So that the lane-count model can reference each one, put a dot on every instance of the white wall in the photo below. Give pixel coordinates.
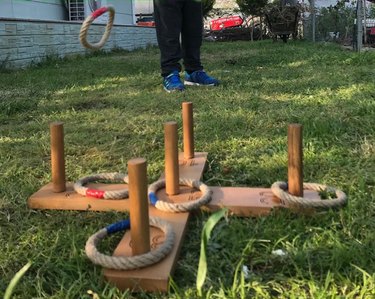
(33, 9)
(26, 42)
(124, 11)
(144, 6)
(55, 10)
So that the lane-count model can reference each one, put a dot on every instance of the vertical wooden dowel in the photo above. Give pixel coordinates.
(139, 218)
(295, 160)
(172, 175)
(188, 129)
(57, 156)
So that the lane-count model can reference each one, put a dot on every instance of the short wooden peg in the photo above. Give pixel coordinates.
(188, 129)
(295, 160)
(57, 157)
(139, 218)
(171, 158)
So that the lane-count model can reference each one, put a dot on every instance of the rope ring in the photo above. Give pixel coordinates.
(133, 262)
(101, 194)
(279, 190)
(88, 21)
(179, 207)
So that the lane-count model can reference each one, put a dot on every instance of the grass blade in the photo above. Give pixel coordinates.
(14, 281)
(205, 237)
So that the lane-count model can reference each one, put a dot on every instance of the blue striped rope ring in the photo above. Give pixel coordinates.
(179, 207)
(132, 262)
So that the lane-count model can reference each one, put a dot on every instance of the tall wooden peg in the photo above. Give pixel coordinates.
(139, 218)
(295, 160)
(57, 157)
(188, 129)
(172, 175)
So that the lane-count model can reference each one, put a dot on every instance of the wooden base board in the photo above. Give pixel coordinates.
(156, 277)
(46, 199)
(191, 168)
(241, 201)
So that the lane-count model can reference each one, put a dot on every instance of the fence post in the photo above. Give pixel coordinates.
(359, 25)
(313, 21)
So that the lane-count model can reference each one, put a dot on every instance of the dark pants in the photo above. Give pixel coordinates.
(172, 19)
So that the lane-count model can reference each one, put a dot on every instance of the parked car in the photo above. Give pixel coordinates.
(233, 27)
(145, 20)
(226, 22)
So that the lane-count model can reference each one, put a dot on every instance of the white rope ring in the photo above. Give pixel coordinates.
(279, 190)
(133, 262)
(179, 207)
(88, 21)
(101, 194)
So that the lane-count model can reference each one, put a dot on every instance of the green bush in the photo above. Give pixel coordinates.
(252, 7)
(207, 6)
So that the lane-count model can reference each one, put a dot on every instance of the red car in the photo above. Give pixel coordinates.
(147, 21)
(226, 22)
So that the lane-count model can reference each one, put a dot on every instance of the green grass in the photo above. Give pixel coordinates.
(114, 108)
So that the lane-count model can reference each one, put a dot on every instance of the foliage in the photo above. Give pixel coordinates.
(207, 6)
(252, 7)
(335, 18)
(371, 11)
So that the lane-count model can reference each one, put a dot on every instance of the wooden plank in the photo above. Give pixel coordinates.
(156, 277)
(249, 202)
(191, 168)
(241, 201)
(47, 199)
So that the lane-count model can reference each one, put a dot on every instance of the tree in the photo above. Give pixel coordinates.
(252, 7)
(207, 5)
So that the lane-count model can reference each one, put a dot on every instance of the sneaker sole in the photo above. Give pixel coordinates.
(197, 84)
(173, 90)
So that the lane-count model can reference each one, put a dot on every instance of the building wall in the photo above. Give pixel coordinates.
(25, 42)
(32, 9)
(54, 10)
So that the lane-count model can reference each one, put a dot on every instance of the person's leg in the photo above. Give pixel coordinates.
(168, 22)
(192, 31)
(191, 34)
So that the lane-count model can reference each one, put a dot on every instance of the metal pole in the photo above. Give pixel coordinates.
(364, 22)
(359, 25)
(313, 20)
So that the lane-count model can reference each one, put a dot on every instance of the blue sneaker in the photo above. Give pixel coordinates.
(200, 78)
(172, 82)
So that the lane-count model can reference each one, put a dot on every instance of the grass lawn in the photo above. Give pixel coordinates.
(113, 108)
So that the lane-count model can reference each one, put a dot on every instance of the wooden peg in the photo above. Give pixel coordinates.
(295, 160)
(139, 218)
(188, 130)
(171, 158)
(57, 157)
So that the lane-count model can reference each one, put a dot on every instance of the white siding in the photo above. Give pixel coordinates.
(55, 10)
(144, 6)
(33, 9)
(124, 11)
(24, 42)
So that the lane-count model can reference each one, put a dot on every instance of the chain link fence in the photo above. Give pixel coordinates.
(338, 23)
